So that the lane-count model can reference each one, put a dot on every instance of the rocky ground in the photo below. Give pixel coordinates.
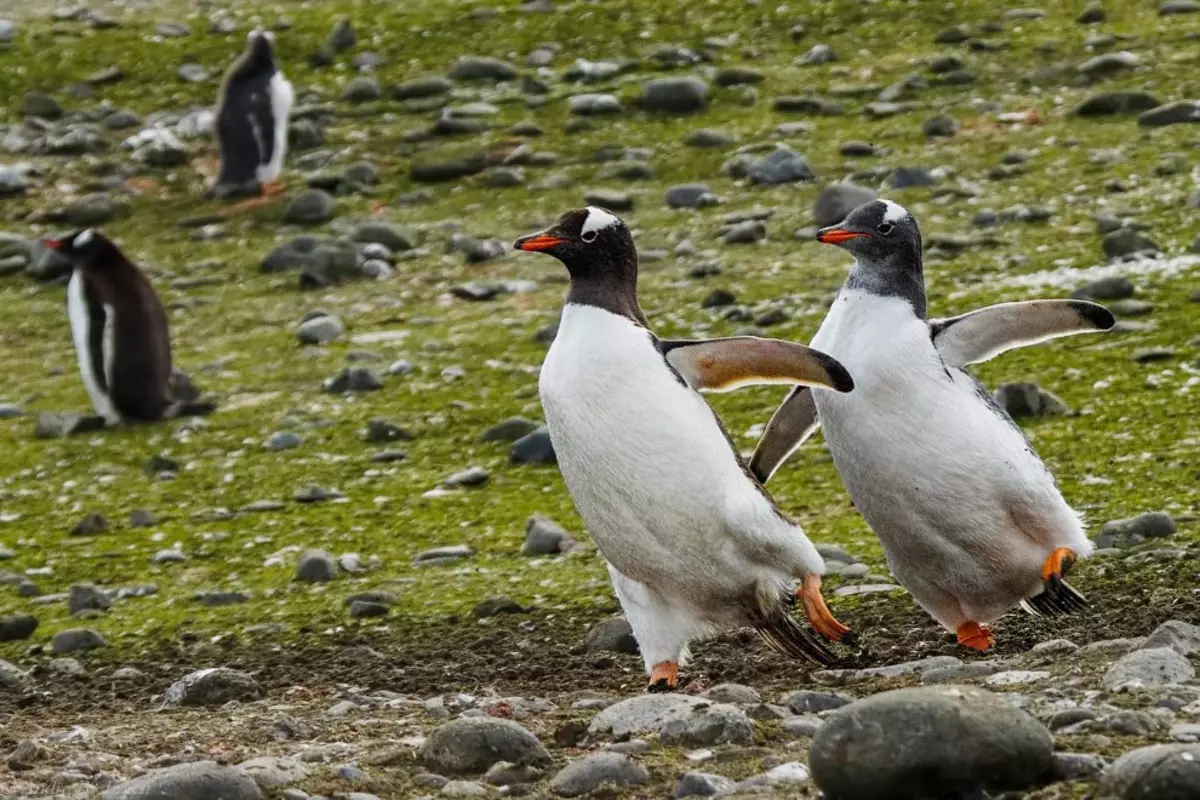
(369, 542)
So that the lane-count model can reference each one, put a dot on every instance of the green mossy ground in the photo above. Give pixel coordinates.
(1132, 448)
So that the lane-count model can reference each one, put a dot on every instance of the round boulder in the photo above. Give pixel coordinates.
(468, 746)
(1158, 772)
(929, 742)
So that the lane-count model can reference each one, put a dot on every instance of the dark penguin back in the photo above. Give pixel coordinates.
(141, 377)
(245, 124)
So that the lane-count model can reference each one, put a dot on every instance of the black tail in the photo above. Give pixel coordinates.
(199, 408)
(787, 636)
(1058, 598)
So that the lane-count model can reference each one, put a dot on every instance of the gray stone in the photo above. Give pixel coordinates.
(393, 237)
(710, 138)
(197, 780)
(86, 597)
(274, 772)
(818, 54)
(594, 104)
(316, 566)
(1182, 637)
(342, 37)
(1158, 772)
(192, 73)
(643, 713)
(477, 68)
(690, 195)
(780, 166)
(941, 126)
(1145, 668)
(1126, 242)
(283, 440)
(214, 686)
(1108, 64)
(702, 784)
(609, 199)
(599, 769)
(745, 232)
(544, 537)
(16, 627)
(533, 448)
(1108, 103)
(837, 200)
(1170, 7)
(40, 104)
(1112, 288)
(442, 555)
(422, 87)
(314, 207)
(73, 640)
(1028, 400)
(674, 95)
(470, 745)
(1135, 530)
(929, 741)
(810, 702)
(494, 606)
(472, 476)
(362, 89)
(353, 379)
(717, 724)
(12, 679)
(1077, 766)
(91, 210)
(612, 635)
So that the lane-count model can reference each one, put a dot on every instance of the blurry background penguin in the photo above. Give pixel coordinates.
(121, 336)
(252, 124)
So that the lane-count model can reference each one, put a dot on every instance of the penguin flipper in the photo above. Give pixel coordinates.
(1056, 599)
(787, 636)
(985, 333)
(791, 425)
(725, 364)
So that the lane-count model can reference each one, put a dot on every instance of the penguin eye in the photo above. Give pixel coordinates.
(886, 228)
(588, 236)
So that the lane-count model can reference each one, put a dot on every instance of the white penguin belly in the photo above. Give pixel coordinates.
(965, 511)
(647, 464)
(78, 314)
(282, 96)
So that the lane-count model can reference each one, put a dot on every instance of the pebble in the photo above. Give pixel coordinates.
(316, 566)
(545, 537)
(612, 635)
(591, 772)
(214, 686)
(471, 745)
(320, 328)
(73, 640)
(1147, 668)
(197, 780)
(283, 440)
(533, 448)
(16, 627)
(702, 784)
(674, 95)
(644, 713)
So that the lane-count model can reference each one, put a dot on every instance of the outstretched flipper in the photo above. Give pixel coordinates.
(791, 425)
(724, 364)
(987, 332)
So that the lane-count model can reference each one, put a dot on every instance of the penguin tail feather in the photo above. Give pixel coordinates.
(198, 408)
(784, 634)
(1057, 598)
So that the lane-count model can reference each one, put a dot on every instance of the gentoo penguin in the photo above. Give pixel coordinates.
(121, 336)
(694, 544)
(252, 121)
(970, 519)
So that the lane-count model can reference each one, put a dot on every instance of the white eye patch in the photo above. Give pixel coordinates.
(597, 220)
(84, 238)
(895, 212)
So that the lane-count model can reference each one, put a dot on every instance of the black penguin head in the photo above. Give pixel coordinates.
(260, 48)
(879, 232)
(85, 248)
(592, 243)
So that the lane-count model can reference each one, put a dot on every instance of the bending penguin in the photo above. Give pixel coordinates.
(252, 122)
(694, 544)
(121, 336)
(970, 518)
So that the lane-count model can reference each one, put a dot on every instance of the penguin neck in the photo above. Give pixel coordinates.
(612, 290)
(898, 276)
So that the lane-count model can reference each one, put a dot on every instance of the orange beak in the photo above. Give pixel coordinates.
(538, 242)
(838, 235)
(53, 244)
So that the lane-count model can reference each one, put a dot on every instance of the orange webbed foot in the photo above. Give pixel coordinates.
(975, 636)
(819, 615)
(664, 677)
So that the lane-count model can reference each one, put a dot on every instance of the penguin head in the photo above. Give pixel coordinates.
(877, 233)
(591, 242)
(85, 248)
(260, 46)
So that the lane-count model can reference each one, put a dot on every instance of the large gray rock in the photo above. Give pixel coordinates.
(92, 209)
(612, 635)
(717, 724)
(837, 200)
(1182, 637)
(780, 166)
(1099, 105)
(674, 95)
(199, 780)
(482, 68)
(16, 627)
(393, 237)
(1153, 667)
(599, 769)
(544, 537)
(929, 742)
(272, 772)
(12, 679)
(314, 207)
(645, 713)
(422, 87)
(1158, 772)
(72, 640)
(1170, 114)
(320, 329)
(212, 687)
(470, 745)
(703, 784)
(1135, 530)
